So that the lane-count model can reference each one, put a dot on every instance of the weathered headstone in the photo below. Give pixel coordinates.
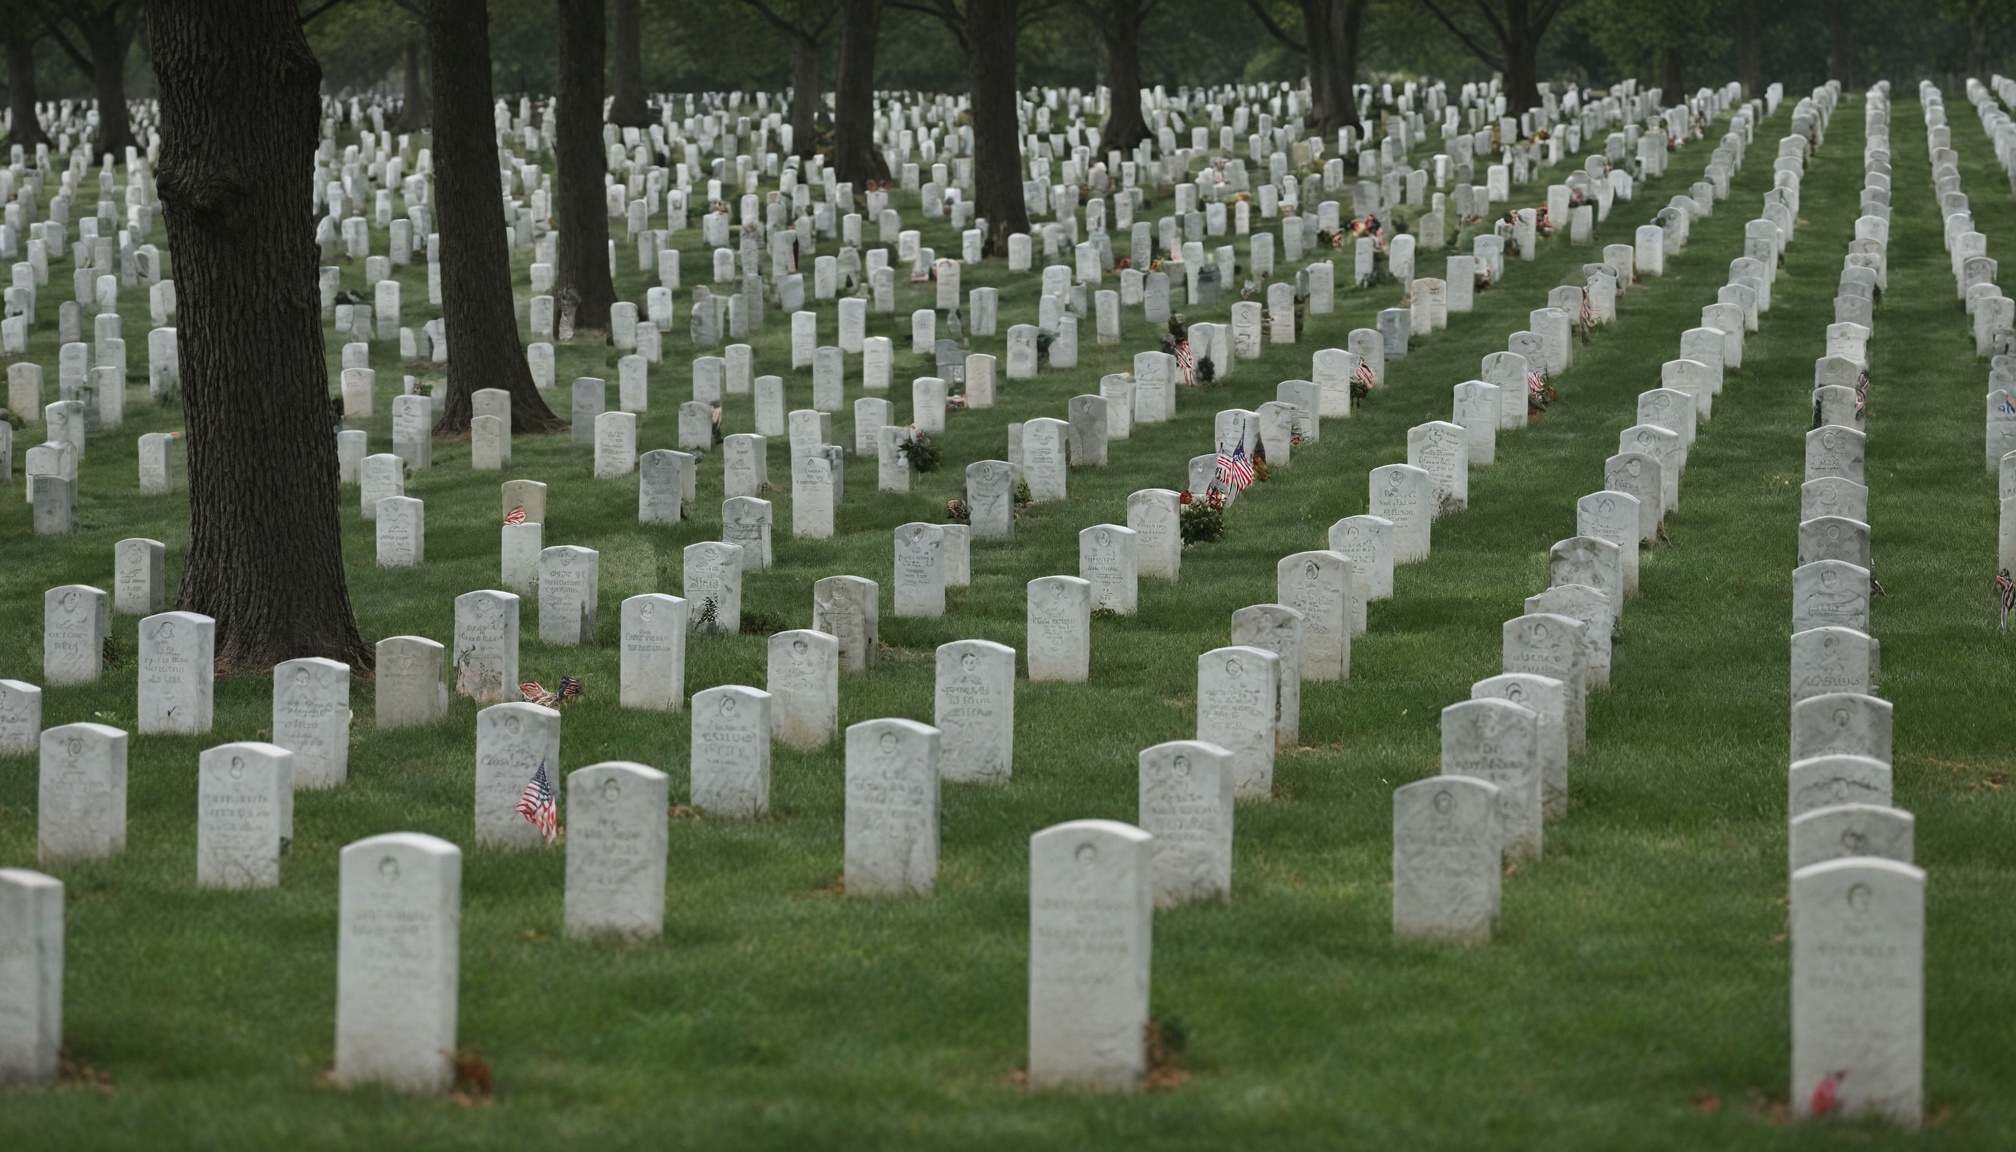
(652, 666)
(975, 711)
(731, 752)
(1059, 645)
(244, 814)
(75, 622)
(1186, 805)
(1091, 922)
(849, 609)
(80, 805)
(1497, 740)
(137, 582)
(31, 977)
(616, 838)
(177, 673)
(892, 808)
(1237, 699)
(409, 689)
(311, 719)
(398, 963)
(712, 584)
(1858, 990)
(1447, 859)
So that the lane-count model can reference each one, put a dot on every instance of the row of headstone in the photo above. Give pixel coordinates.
(1857, 899)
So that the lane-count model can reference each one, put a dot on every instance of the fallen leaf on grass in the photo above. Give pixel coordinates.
(1772, 1110)
(1991, 783)
(532, 935)
(682, 812)
(1706, 1101)
(78, 1076)
(473, 1085)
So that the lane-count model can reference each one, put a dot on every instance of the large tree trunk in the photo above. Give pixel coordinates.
(1121, 39)
(239, 117)
(997, 141)
(27, 129)
(1977, 41)
(476, 305)
(1316, 45)
(108, 44)
(1840, 42)
(855, 157)
(628, 106)
(1348, 21)
(1522, 68)
(804, 97)
(1673, 74)
(583, 275)
(413, 111)
(1749, 51)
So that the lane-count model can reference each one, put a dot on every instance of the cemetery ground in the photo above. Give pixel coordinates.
(1635, 994)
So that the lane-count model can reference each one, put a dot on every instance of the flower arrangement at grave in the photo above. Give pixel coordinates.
(1262, 472)
(957, 512)
(1203, 521)
(919, 450)
(1023, 497)
(955, 403)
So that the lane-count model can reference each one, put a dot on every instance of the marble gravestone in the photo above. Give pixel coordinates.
(804, 686)
(31, 977)
(409, 692)
(1497, 740)
(1238, 691)
(20, 718)
(1447, 860)
(398, 963)
(311, 719)
(892, 808)
(486, 646)
(1186, 805)
(80, 806)
(177, 673)
(1091, 933)
(652, 665)
(244, 814)
(616, 841)
(513, 741)
(1059, 644)
(974, 711)
(1858, 988)
(849, 609)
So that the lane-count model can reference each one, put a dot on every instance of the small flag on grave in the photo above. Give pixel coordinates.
(537, 806)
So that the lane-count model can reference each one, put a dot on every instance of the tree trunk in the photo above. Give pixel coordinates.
(27, 128)
(804, 97)
(413, 111)
(855, 157)
(1840, 43)
(997, 144)
(1316, 44)
(108, 78)
(1522, 69)
(584, 205)
(628, 106)
(1673, 74)
(240, 118)
(1350, 22)
(476, 305)
(1121, 39)
(1749, 53)
(1977, 40)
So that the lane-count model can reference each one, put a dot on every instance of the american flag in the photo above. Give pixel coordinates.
(534, 694)
(515, 516)
(1365, 375)
(1536, 388)
(1235, 469)
(1186, 362)
(1588, 315)
(2005, 590)
(536, 804)
(1861, 393)
(569, 687)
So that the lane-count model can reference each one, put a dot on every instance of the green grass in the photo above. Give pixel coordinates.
(1639, 967)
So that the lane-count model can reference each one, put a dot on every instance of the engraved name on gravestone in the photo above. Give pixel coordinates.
(731, 752)
(974, 711)
(892, 808)
(311, 719)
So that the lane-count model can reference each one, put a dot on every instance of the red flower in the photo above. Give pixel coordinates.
(1183, 498)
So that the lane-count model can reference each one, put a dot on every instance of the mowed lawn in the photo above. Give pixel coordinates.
(1636, 994)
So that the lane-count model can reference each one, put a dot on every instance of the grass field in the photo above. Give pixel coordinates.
(1636, 995)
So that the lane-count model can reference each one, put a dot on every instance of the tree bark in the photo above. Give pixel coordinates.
(240, 118)
(1840, 42)
(108, 43)
(804, 97)
(1316, 45)
(1673, 74)
(1749, 52)
(1522, 66)
(855, 157)
(1120, 37)
(484, 350)
(414, 113)
(997, 145)
(27, 128)
(583, 274)
(1349, 23)
(628, 106)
